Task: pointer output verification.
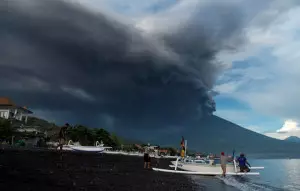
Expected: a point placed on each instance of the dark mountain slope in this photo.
(214, 134)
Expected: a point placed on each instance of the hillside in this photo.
(52, 129)
(293, 139)
(214, 134)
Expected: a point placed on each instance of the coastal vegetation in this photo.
(5, 129)
(48, 132)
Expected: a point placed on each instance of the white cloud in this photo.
(24, 83)
(290, 128)
(79, 93)
(131, 8)
(227, 88)
(167, 20)
(271, 85)
(254, 128)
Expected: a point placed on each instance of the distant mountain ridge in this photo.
(294, 139)
(209, 134)
(214, 134)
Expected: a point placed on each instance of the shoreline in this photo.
(41, 149)
(43, 170)
(118, 153)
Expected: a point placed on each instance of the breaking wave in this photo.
(245, 184)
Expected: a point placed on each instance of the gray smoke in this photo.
(60, 57)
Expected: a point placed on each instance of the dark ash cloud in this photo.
(60, 57)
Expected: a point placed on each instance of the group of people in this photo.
(62, 139)
(147, 157)
(241, 160)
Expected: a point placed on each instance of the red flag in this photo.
(182, 143)
(182, 153)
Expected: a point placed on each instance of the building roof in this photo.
(8, 103)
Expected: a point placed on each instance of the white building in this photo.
(9, 110)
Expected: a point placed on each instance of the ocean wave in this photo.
(244, 184)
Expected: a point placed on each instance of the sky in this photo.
(155, 63)
(260, 89)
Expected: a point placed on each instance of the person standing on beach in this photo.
(147, 157)
(157, 156)
(62, 136)
(223, 160)
(243, 163)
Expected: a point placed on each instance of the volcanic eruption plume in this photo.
(78, 64)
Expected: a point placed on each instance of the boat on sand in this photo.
(77, 147)
(209, 167)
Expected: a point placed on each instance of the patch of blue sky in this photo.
(140, 7)
(223, 102)
(240, 113)
(249, 62)
(264, 124)
(161, 6)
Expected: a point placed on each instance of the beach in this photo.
(44, 170)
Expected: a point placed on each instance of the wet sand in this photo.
(43, 170)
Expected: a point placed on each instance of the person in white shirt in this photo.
(223, 160)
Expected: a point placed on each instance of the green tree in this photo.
(172, 151)
(82, 134)
(115, 140)
(88, 136)
(5, 129)
(103, 135)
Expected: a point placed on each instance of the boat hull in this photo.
(87, 148)
(206, 173)
(205, 168)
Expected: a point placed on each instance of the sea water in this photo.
(279, 174)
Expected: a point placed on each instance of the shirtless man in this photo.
(62, 136)
(147, 158)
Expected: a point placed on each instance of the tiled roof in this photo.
(6, 101)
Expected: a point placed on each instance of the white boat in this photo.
(120, 152)
(205, 167)
(86, 148)
(77, 147)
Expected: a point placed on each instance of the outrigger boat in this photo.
(77, 147)
(205, 167)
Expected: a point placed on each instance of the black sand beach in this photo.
(43, 170)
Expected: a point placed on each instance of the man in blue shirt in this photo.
(243, 163)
